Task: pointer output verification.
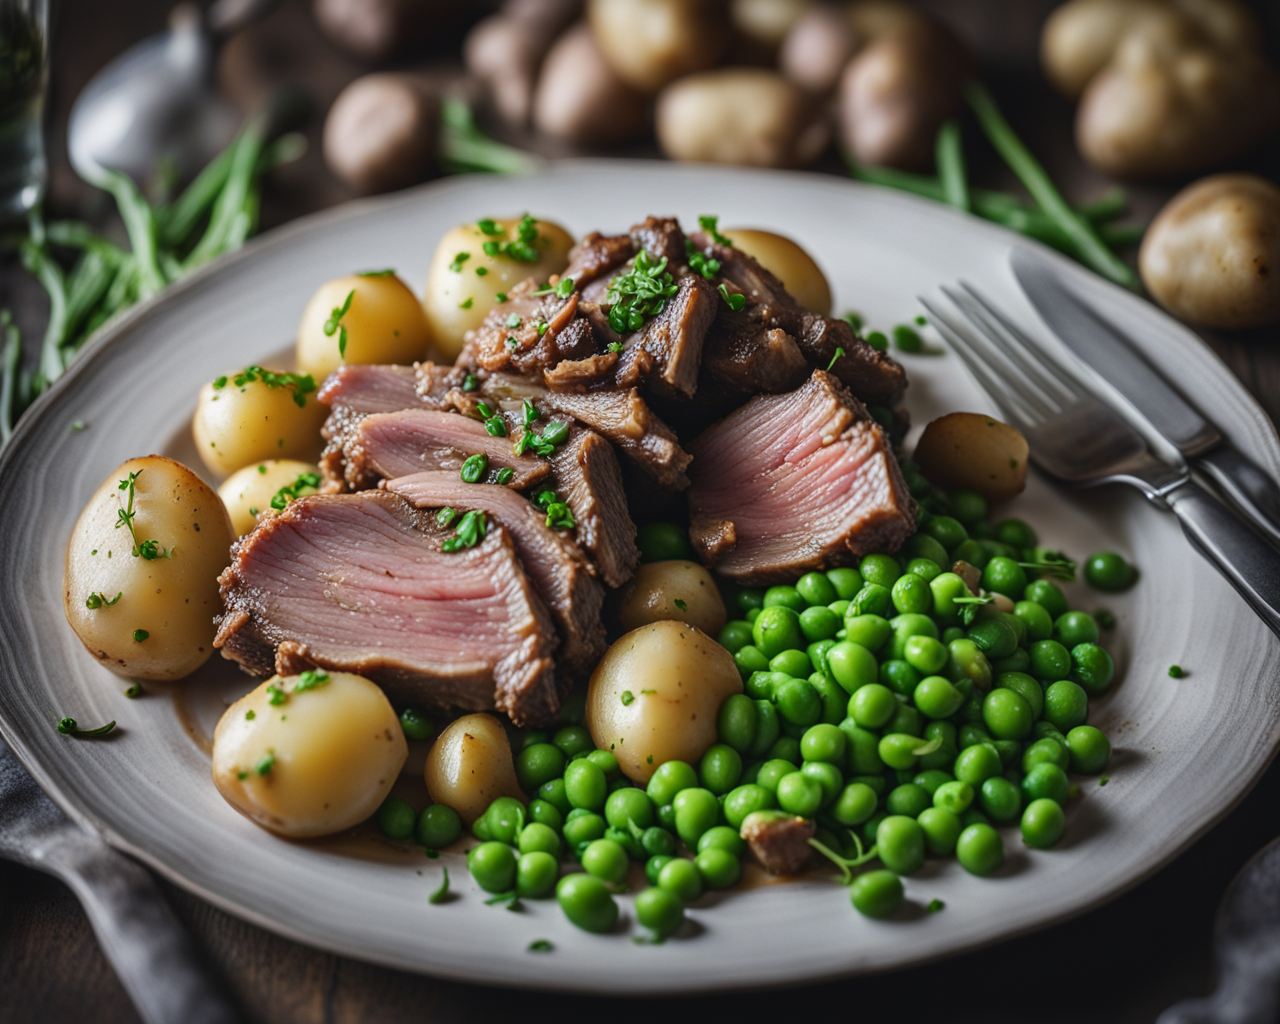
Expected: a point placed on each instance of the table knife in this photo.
(1106, 349)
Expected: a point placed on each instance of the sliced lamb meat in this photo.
(873, 376)
(359, 583)
(391, 444)
(554, 561)
(586, 476)
(530, 333)
(671, 343)
(596, 256)
(797, 482)
(364, 389)
(751, 359)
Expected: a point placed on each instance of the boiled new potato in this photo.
(308, 755)
(973, 451)
(371, 317)
(464, 281)
(380, 133)
(652, 42)
(676, 590)
(788, 262)
(149, 614)
(248, 491)
(655, 695)
(470, 765)
(255, 414)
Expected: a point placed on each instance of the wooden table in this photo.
(1122, 963)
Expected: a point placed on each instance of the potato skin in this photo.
(173, 599)
(581, 99)
(652, 42)
(333, 750)
(248, 491)
(677, 677)
(470, 765)
(384, 325)
(235, 425)
(787, 261)
(747, 116)
(1212, 255)
(968, 449)
(651, 595)
(455, 301)
(380, 133)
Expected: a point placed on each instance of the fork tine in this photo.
(1009, 401)
(1017, 344)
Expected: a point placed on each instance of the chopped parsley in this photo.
(736, 301)
(642, 292)
(679, 603)
(133, 692)
(493, 421)
(310, 679)
(854, 320)
(466, 303)
(540, 946)
(522, 248)
(68, 727)
(267, 763)
(376, 273)
(149, 550)
(560, 516)
(513, 320)
(446, 516)
(1104, 780)
(628, 697)
(301, 384)
(139, 635)
(458, 260)
(836, 358)
(334, 323)
(99, 600)
(505, 476)
(615, 346)
(543, 499)
(563, 289)
(439, 895)
(699, 262)
(77, 425)
(489, 227)
(470, 532)
(250, 715)
(554, 435)
(708, 224)
(935, 905)
(481, 271)
(307, 483)
(1176, 671)
(276, 695)
(474, 468)
(469, 382)
(501, 296)
(877, 340)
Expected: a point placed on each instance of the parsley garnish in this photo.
(302, 384)
(615, 346)
(488, 227)
(469, 382)
(99, 600)
(735, 300)
(466, 303)
(474, 468)
(334, 323)
(250, 715)
(267, 763)
(560, 516)
(310, 679)
(446, 516)
(649, 691)
(493, 421)
(554, 435)
(540, 946)
(563, 289)
(439, 895)
(708, 224)
(521, 248)
(133, 692)
(854, 320)
(835, 358)
(934, 906)
(470, 532)
(1104, 780)
(1175, 671)
(679, 603)
(628, 697)
(501, 296)
(376, 273)
(68, 727)
(140, 635)
(458, 260)
(513, 320)
(481, 271)
(505, 476)
(149, 550)
(543, 499)
(275, 695)
(642, 292)
(307, 483)
(699, 262)
(77, 425)
(878, 341)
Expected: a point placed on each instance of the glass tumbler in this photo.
(24, 35)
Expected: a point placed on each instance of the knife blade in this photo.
(1106, 349)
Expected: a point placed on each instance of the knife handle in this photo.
(1246, 486)
(156, 960)
(1249, 563)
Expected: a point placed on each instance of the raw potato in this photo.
(968, 449)
(470, 765)
(172, 598)
(748, 116)
(677, 678)
(380, 133)
(581, 99)
(787, 261)
(384, 325)
(248, 491)
(457, 300)
(319, 762)
(652, 42)
(652, 593)
(1212, 255)
(235, 425)
(767, 22)
(817, 48)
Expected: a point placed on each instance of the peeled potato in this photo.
(148, 617)
(652, 42)
(464, 283)
(248, 491)
(675, 590)
(308, 755)
(260, 418)
(969, 450)
(470, 765)
(383, 324)
(788, 262)
(655, 695)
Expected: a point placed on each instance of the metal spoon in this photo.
(156, 100)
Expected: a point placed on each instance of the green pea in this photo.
(759, 685)
(941, 829)
(922, 546)
(546, 813)
(816, 589)
(978, 763)
(627, 806)
(863, 749)
(792, 663)
(900, 842)
(659, 910)
(969, 507)
(438, 826)
(536, 836)
(907, 625)
(1049, 596)
(581, 827)
(911, 594)
(1043, 823)
(1092, 668)
(823, 742)
(872, 599)
(719, 869)
(1042, 730)
(817, 652)
(872, 706)
(493, 866)
(572, 740)
(657, 842)
(537, 764)
(880, 569)
(833, 698)
(786, 748)
(971, 711)
(1018, 661)
(908, 799)
(1046, 781)
(972, 552)
(954, 796)
(722, 837)
(1066, 704)
(670, 778)
(737, 721)
(799, 794)
(965, 660)
(504, 818)
(747, 800)
(681, 878)
(396, 818)
(1074, 628)
(749, 599)
(876, 894)
(767, 728)
(606, 859)
(870, 631)
(931, 779)
(798, 703)
(819, 623)
(720, 768)
(994, 637)
(536, 873)
(846, 581)
(784, 596)
(936, 697)
(855, 804)
(925, 653)
(945, 755)
(696, 811)
(654, 865)
(906, 719)
(947, 531)
(1005, 576)
(1016, 533)
(777, 629)
(1089, 748)
(971, 735)
(1046, 751)
(585, 784)
(663, 542)
(1009, 751)
(899, 677)
(851, 664)
(553, 793)
(750, 659)
(1000, 799)
(586, 902)
(898, 750)
(1006, 714)
(840, 607)
(944, 589)
(870, 825)
(666, 815)
(735, 635)
(1036, 618)
(979, 849)
(772, 771)
(416, 724)
(1049, 660)
(1026, 688)
(1109, 572)
(927, 569)
(827, 776)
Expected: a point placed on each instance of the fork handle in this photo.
(1234, 547)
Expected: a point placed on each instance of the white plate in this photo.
(1186, 750)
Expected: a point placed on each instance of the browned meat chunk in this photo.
(752, 359)
(555, 563)
(671, 343)
(596, 256)
(586, 477)
(530, 333)
(359, 583)
(779, 841)
(797, 482)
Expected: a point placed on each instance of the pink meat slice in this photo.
(793, 483)
(359, 583)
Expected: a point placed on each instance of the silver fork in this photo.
(1082, 442)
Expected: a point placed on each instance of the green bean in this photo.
(951, 169)
(180, 218)
(140, 223)
(464, 147)
(38, 261)
(12, 356)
